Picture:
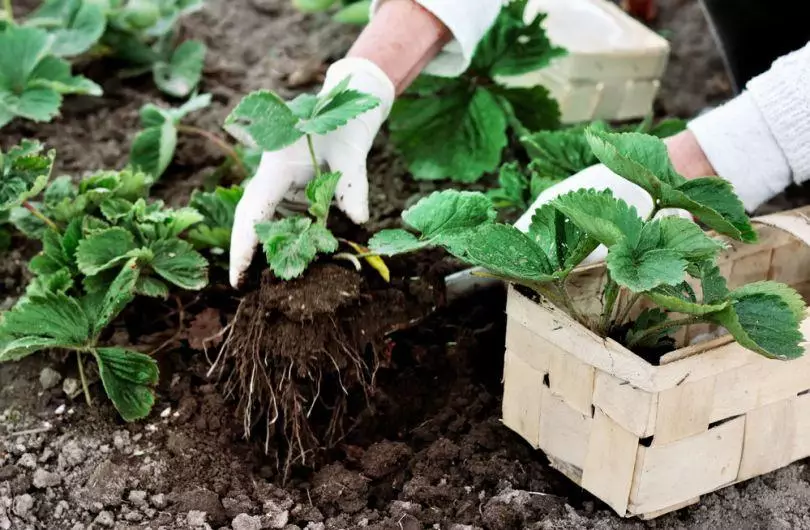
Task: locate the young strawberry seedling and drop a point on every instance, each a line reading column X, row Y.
column 102, row 244
column 472, row 113
column 32, row 78
column 651, row 258
column 153, row 148
column 140, row 32
column 263, row 120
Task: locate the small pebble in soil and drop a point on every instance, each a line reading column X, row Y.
column 244, row 521
column 46, row 479
column 105, row 519
column 71, row 387
column 49, row 378
column 158, row 501
column 28, row 461
column 275, row 515
column 23, row 505
column 137, row 498
column 196, row 519
column 71, row 455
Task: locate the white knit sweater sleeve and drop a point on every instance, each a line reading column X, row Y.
column 760, row 140
column 467, row 20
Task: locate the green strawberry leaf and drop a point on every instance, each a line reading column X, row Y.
column 24, row 173
column 514, row 47
column 291, row 244
column 46, row 320
column 391, row 242
column 564, row 243
column 471, row 124
column 506, row 252
column 557, row 155
column 262, row 119
column 152, row 287
column 671, row 299
column 153, row 149
column 181, row 74
column 644, row 271
column 75, row 25
column 712, row 200
column 513, row 190
column 103, row 250
column 320, row 192
column 601, row 216
column 335, row 109
column 128, row 378
column 764, row 323
column 178, row 263
column 442, row 212
column 534, row 108
column 119, row 293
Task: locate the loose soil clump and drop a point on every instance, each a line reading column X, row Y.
column 301, row 356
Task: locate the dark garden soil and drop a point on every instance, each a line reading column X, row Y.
column 421, row 447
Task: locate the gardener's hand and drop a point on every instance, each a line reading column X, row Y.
column 285, row 173
column 599, row 177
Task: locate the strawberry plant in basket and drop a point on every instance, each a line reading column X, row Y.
column 103, row 243
column 649, row 258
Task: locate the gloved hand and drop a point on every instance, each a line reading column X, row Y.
column 600, row 178
column 285, row 173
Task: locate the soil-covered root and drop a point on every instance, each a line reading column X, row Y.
column 300, row 355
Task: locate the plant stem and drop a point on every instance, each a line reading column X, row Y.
column 567, row 301
column 669, row 324
column 8, row 10
column 219, row 142
column 315, row 163
column 39, row 215
column 83, row 378
column 611, row 295
column 626, row 310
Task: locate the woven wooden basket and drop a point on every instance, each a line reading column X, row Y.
column 649, row 439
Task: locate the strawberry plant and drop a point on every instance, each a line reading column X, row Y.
column 651, row 258
column 153, row 148
column 140, row 32
column 218, row 208
column 472, row 113
column 33, row 79
column 263, row 120
column 556, row 155
column 348, row 11
column 103, row 243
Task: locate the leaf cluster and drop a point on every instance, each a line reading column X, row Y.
column 263, row 120
column 140, row 32
column 654, row 258
column 473, row 113
column 103, row 243
column 33, row 78
column 556, row 155
column 154, row 146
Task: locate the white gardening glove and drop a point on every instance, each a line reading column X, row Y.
column 599, row 178
column 596, row 177
column 285, row 173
